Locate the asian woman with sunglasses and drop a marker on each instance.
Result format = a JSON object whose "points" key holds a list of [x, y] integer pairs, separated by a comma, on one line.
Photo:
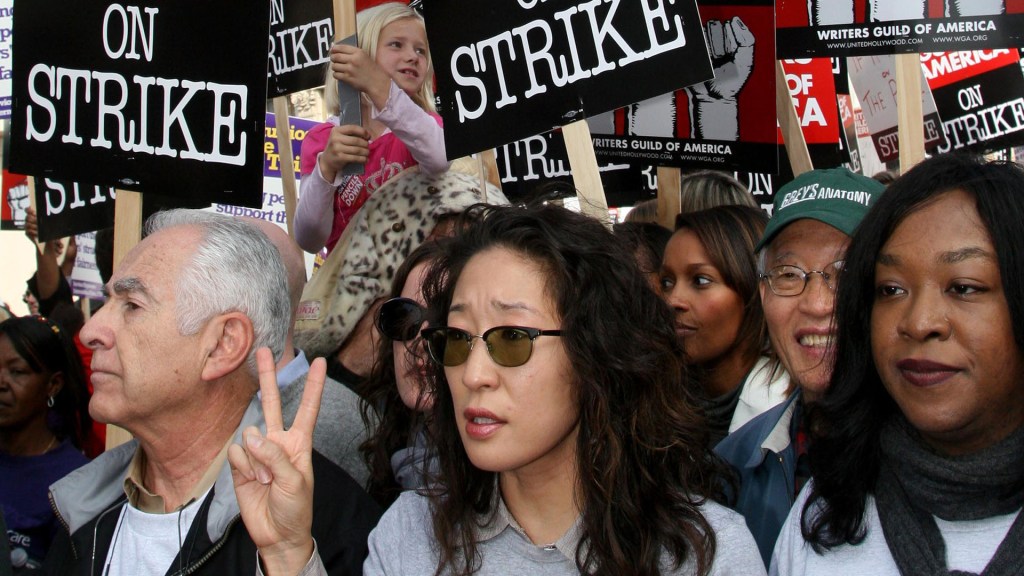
{"points": [[566, 440], [394, 405]]}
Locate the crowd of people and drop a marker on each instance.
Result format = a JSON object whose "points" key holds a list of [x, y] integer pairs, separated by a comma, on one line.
{"points": [[467, 386]]}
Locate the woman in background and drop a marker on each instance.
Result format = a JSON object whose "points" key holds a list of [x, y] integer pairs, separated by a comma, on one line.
{"points": [[394, 405], [44, 420], [709, 278]]}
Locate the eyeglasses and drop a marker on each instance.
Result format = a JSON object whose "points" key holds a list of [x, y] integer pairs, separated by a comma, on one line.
{"points": [[508, 346], [787, 280], [400, 319]]}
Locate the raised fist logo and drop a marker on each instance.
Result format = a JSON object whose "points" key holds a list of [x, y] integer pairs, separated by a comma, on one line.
{"points": [[17, 199], [714, 111]]}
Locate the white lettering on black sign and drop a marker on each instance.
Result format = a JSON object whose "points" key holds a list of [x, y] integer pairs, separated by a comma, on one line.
{"points": [[56, 93]]}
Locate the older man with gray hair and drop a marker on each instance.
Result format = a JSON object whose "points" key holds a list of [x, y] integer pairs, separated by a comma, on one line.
{"points": [[174, 363]]}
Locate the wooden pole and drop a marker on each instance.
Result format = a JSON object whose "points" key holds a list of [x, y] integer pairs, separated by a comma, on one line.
{"points": [[31, 181], [285, 159], [127, 233], [344, 19], [669, 185], [489, 161], [792, 135], [585, 174], [909, 110]]}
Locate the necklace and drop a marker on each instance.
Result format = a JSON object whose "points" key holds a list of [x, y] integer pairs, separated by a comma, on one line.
{"points": [[53, 440]]}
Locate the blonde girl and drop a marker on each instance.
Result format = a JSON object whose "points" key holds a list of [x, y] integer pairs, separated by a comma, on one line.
{"points": [[400, 127]]}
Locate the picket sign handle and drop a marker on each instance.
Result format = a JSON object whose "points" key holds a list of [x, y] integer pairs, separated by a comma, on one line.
{"points": [[285, 160], [344, 19], [909, 110], [127, 233], [31, 180], [669, 185], [585, 175], [487, 163], [792, 135]]}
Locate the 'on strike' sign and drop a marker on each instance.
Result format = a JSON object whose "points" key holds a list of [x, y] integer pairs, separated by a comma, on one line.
{"points": [[509, 70], [154, 96]]}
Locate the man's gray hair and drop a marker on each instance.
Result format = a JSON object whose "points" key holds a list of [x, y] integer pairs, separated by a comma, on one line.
{"points": [[234, 268], [762, 260]]}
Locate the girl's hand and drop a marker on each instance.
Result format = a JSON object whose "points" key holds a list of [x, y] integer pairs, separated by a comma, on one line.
{"points": [[355, 67], [346, 145]]}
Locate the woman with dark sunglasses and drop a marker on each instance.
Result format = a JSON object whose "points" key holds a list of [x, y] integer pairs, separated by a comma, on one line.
{"points": [[566, 440], [394, 404]]}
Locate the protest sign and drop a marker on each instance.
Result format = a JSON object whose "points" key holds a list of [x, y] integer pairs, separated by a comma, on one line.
{"points": [[811, 84], [980, 97], [85, 276], [65, 208], [849, 133], [274, 203], [6, 30], [723, 123], [510, 70], [849, 150], [301, 33], [525, 165], [163, 97], [762, 186], [16, 201], [874, 80], [873, 27]]}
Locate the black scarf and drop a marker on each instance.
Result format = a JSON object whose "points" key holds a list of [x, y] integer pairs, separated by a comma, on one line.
{"points": [[915, 484], [718, 413]]}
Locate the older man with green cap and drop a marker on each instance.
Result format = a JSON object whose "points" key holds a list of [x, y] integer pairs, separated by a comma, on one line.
{"points": [[800, 259]]}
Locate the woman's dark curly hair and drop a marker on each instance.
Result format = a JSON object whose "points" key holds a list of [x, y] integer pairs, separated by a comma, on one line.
{"points": [[49, 348], [389, 423], [641, 454], [844, 451]]}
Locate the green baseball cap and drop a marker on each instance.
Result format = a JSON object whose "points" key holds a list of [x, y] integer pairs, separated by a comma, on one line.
{"points": [[836, 196]]}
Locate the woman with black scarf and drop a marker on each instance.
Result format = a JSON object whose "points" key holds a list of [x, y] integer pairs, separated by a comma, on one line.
{"points": [[917, 449]]}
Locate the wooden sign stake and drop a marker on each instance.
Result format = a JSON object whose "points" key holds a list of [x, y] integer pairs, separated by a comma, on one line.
{"points": [[344, 19], [792, 135], [489, 166], [285, 159], [910, 110], [669, 185], [127, 233], [585, 175]]}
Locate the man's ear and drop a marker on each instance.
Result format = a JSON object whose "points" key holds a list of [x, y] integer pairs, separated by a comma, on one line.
{"points": [[227, 338]]}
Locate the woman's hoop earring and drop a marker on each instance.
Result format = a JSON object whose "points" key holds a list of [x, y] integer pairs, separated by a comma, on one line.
{"points": [[50, 402]]}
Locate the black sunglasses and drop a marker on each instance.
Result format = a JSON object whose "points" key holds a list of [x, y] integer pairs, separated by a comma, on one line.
{"points": [[400, 319], [508, 346]]}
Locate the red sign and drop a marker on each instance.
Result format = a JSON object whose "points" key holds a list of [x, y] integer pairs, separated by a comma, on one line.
{"points": [[812, 86]]}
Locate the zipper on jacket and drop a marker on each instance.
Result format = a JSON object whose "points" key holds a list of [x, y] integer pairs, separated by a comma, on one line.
{"points": [[191, 568], [56, 512], [789, 487]]}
